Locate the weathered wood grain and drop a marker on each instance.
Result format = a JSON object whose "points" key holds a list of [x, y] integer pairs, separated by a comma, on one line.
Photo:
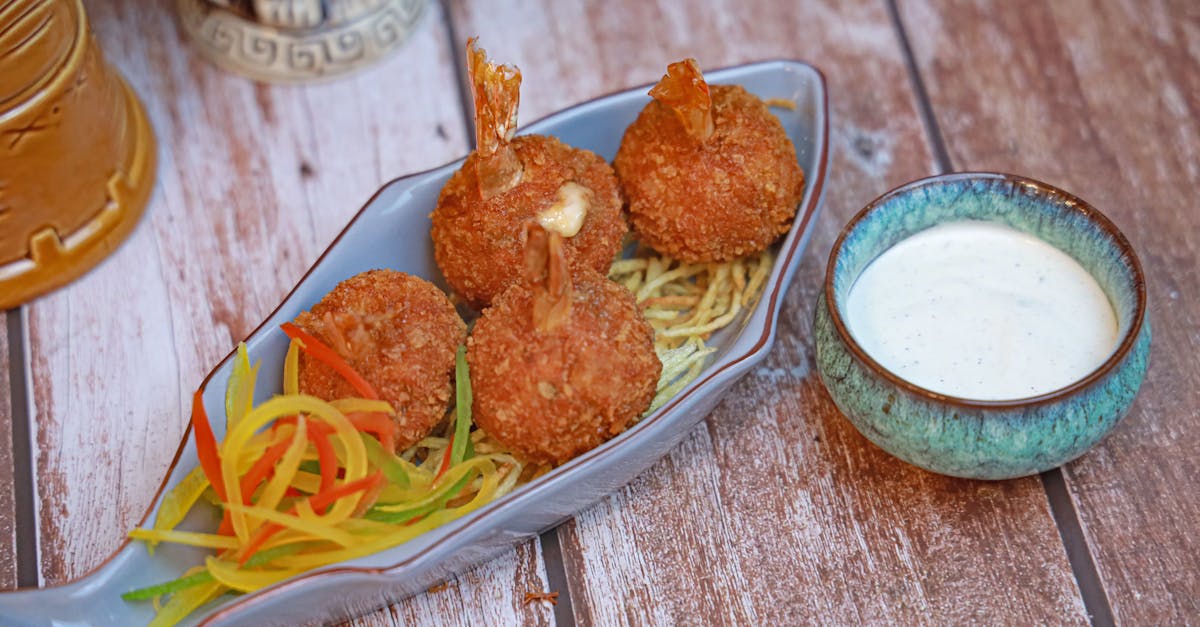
{"points": [[776, 511], [254, 182], [1103, 100], [474, 598], [8, 531]]}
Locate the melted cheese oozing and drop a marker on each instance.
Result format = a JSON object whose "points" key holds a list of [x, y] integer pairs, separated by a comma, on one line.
{"points": [[566, 215]]}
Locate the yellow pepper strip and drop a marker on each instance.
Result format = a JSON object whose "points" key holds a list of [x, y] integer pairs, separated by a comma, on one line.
{"points": [[280, 406], [400, 535], [291, 369], [316, 529], [179, 501], [453, 475], [191, 538], [229, 574], [284, 470], [185, 602], [239, 393], [306, 482], [362, 405], [481, 464]]}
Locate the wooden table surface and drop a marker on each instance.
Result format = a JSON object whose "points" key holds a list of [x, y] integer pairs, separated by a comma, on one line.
{"points": [[774, 510]]}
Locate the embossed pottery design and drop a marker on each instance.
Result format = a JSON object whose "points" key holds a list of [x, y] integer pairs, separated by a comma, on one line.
{"points": [[297, 40], [76, 150]]}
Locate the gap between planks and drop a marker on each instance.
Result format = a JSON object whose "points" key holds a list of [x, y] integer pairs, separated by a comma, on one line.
{"points": [[25, 522], [551, 545], [1062, 508]]}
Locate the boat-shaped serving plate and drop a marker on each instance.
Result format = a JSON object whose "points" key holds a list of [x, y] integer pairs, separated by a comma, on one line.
{"points": [[392, 231]]}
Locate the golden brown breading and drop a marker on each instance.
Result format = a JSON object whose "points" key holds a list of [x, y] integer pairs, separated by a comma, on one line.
{"points": [[478, 243], [550, 395], [718, 199], [400, 333]]}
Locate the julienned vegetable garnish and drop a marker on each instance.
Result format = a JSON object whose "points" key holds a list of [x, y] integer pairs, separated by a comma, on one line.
{"points": [[283, 519], [287, 508]]}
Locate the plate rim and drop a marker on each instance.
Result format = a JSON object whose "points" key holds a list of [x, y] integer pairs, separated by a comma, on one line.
{"points": [[814, 191]]}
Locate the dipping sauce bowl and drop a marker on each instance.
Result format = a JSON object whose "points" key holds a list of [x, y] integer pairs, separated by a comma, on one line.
{"points": [[983, 439]]}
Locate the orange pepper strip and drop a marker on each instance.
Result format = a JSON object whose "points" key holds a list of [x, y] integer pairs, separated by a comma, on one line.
{"points": [[206, 445], [329, 357], [445, 459], [326, 457], [256, 541], [379, 424], [318, 501], [262, 469]]}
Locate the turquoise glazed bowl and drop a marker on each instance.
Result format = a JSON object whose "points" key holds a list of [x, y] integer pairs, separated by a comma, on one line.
{"points": [[973, 438]]}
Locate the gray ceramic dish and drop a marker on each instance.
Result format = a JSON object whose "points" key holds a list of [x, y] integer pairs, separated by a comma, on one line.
{"points": [[964, 437], [392, 231]]}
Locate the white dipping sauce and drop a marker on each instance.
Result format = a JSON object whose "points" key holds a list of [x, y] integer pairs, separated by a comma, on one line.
{"points": [[982, 311]]}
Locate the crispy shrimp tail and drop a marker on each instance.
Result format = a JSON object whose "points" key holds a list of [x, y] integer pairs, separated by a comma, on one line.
{"points": [[546, 268], [497, 92], [683, 90]]}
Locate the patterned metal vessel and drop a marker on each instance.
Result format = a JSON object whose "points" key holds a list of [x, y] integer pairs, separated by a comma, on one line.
{"points": [[76, 150], [298, 40]]}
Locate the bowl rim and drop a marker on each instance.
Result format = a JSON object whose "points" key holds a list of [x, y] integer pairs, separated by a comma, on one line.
{"points": [[1054, 194]]}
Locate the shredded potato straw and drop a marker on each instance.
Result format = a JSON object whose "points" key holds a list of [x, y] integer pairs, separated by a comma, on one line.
{"points": [[302, 482]]}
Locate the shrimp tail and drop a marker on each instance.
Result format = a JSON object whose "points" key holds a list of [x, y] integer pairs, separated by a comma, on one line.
{"points": [[497, 92], [546, 267], [684, 90]]}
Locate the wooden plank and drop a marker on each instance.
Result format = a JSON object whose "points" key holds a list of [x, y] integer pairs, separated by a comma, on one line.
{"points": [[8, 513], [254, 182], [1102, 99], [475, 597], [776, 511]]}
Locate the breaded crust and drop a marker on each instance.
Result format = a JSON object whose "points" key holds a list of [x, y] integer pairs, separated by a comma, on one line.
{"points": [[728, 197], [479, 244], [550, 396], [400, 333]]}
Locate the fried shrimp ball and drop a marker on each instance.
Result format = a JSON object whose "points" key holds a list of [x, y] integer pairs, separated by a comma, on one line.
{"points": [[480, 219], [397, 331], [710, 173], [478, 242], [560, 368]]}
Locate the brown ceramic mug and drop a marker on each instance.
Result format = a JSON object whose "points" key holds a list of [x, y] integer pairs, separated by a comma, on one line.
{"points": [[76, 150]]}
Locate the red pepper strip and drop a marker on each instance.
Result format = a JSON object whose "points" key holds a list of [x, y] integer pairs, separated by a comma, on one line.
{"points": [[379, 424], [329, 357], [318, 502], [326, 457], [445, 460], [262, 469], [331, 496], [226, 528], [206, 445], [293, 492]]}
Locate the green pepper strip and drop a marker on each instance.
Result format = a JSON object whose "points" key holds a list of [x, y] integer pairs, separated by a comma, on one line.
{"points": [[463, 400], [385, 461], [195, 579], [403, 516]]}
